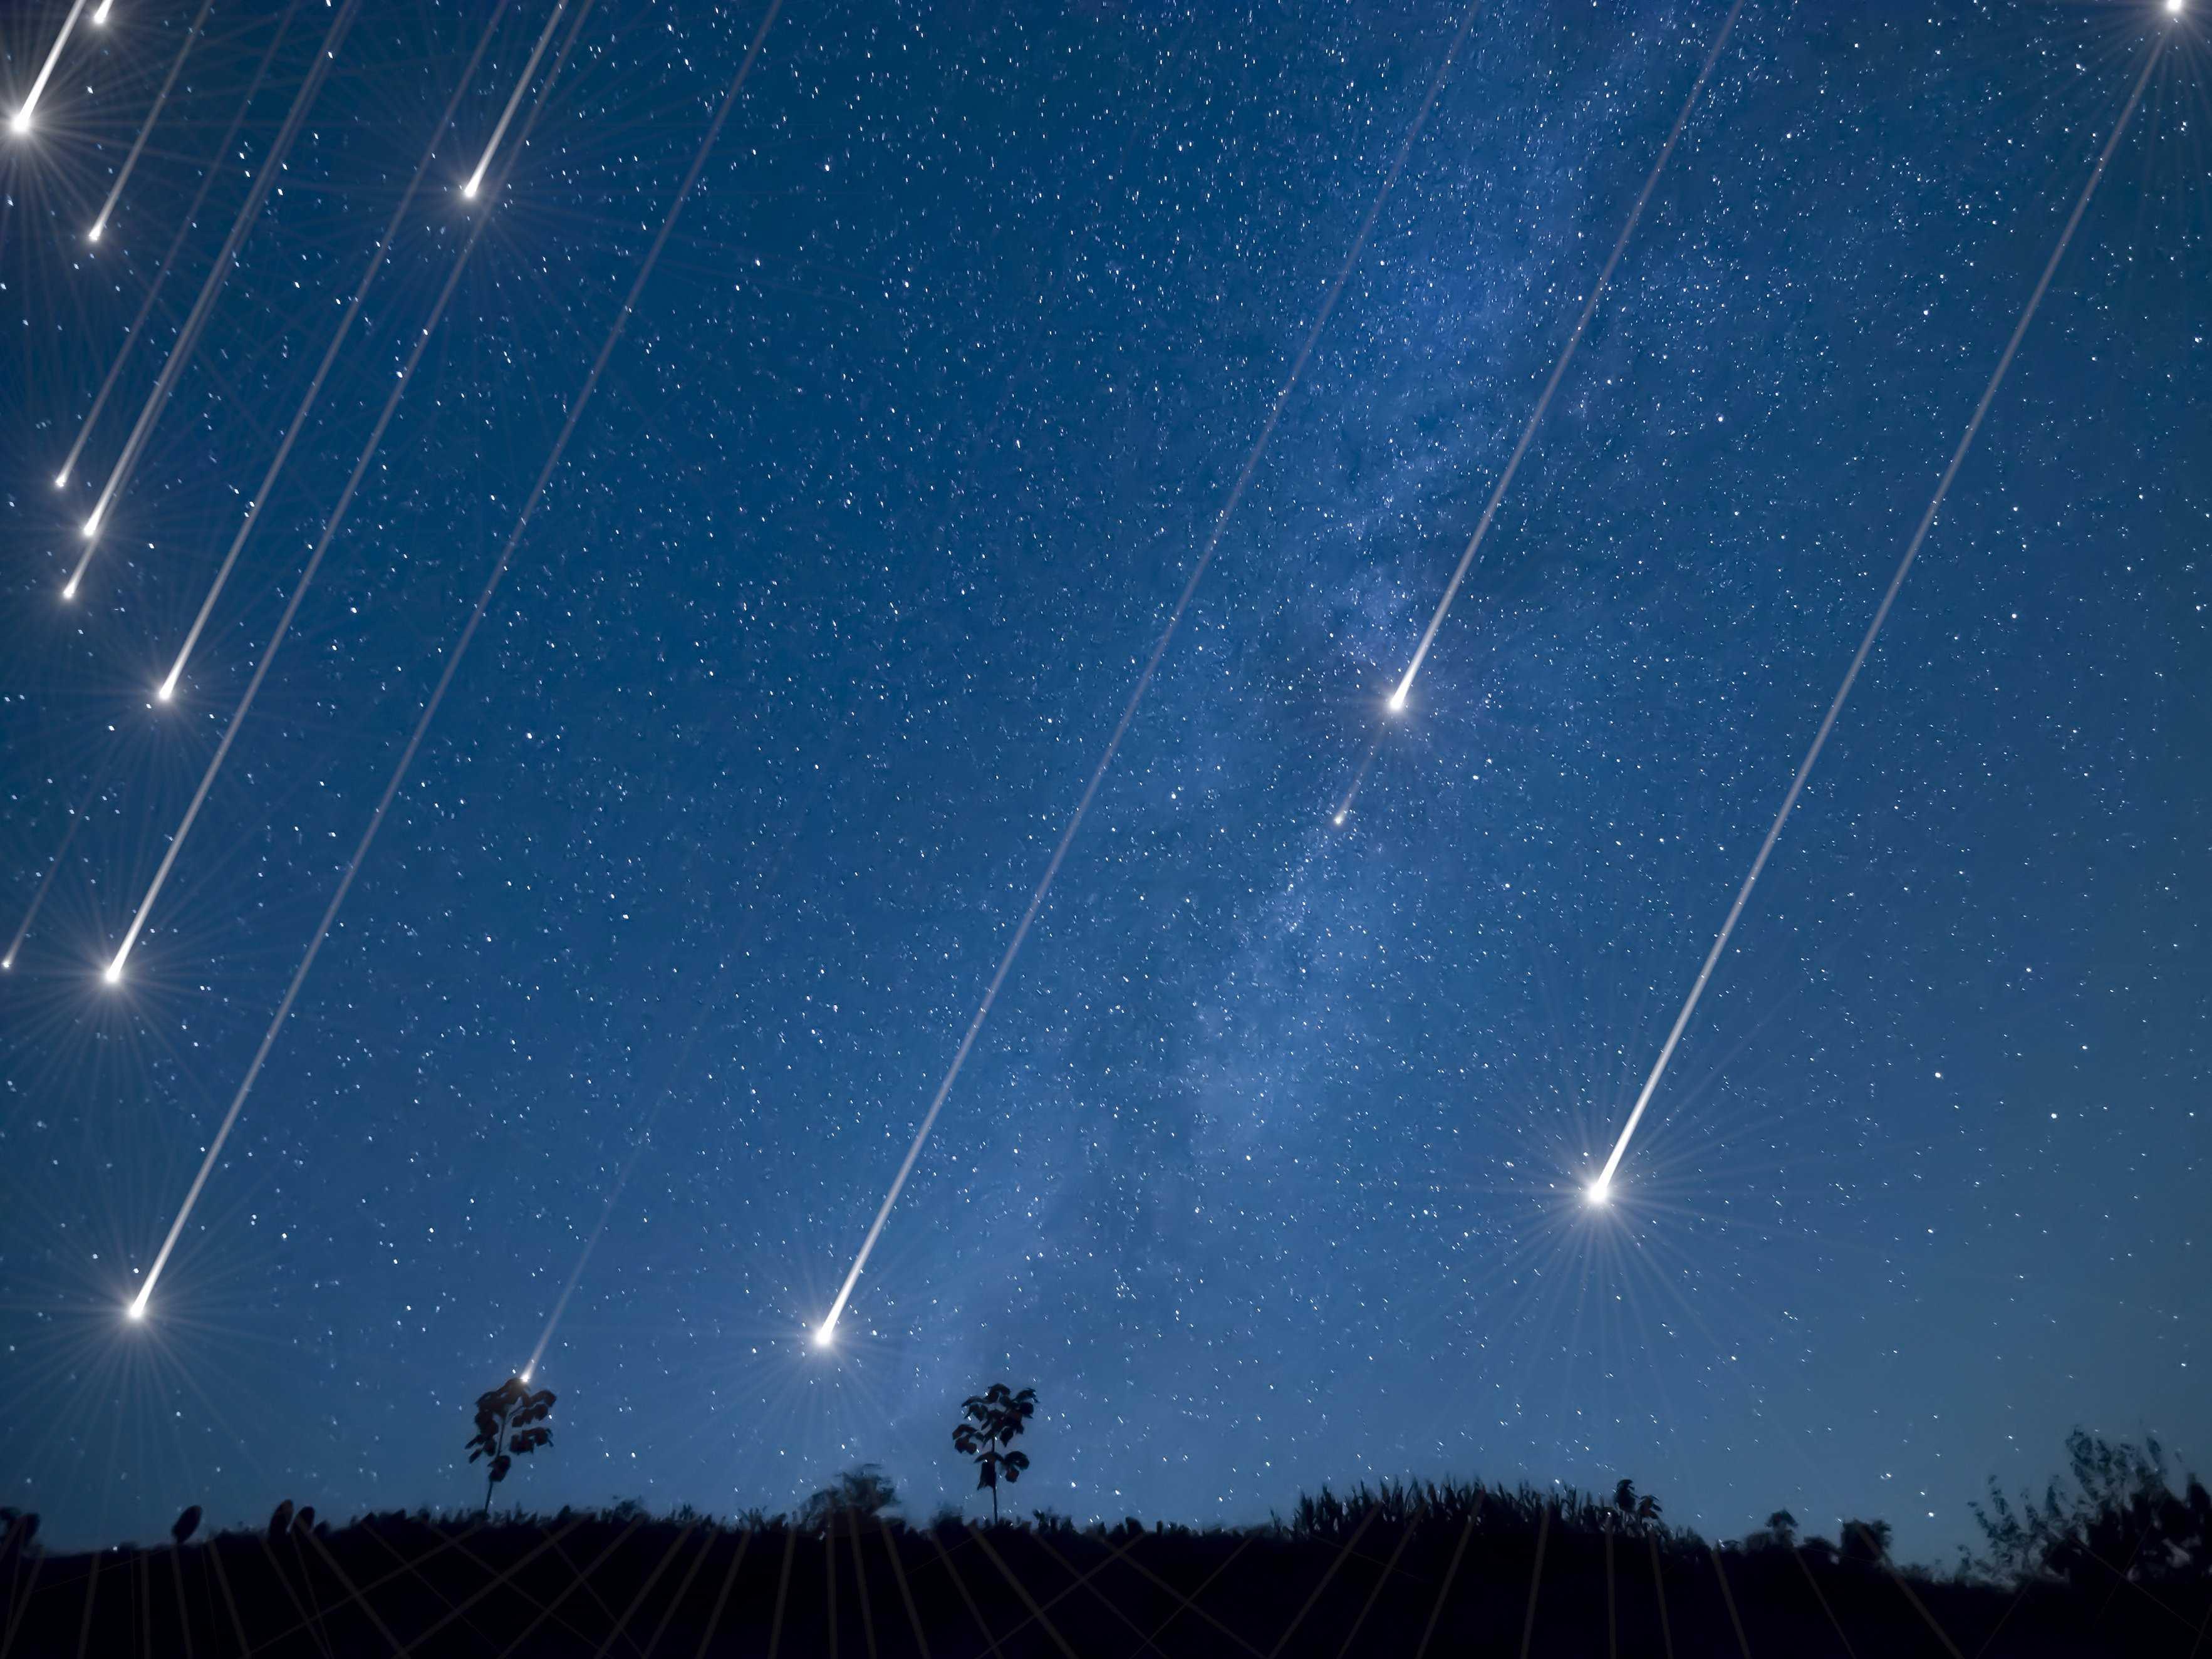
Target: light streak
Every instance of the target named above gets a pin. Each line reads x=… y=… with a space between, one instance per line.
x=176 y=243
x=491 y=587
x=20 y=122
x=476 y=179
x=827 y=1329
x=196 y=320
x=53 y=865
x=167 y=689
x=1397 y=703
x=1881 y=613
x=1366 y=764
x=1598 y=1194
x=331 y=528
x=422 y=725
x=99 y=17
x=161 y=98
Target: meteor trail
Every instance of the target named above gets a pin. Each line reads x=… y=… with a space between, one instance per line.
x=115 y=192
x=483 y=598
x=476 y=179
x=826 y=1332
x=38 y=896
x=113 y=973
x=1558 y=370
x=168 y=686
x=188 y=335
x=176 y=243
x=20 y=122
x=1603 y=1184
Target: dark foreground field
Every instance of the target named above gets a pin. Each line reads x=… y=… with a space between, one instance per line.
x=1367 y=1582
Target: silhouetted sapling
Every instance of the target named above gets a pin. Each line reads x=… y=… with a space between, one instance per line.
x=990 y=1422
x=510 y=1422
x=1642 y=1510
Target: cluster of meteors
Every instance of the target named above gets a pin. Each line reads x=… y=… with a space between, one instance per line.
x=485 y=180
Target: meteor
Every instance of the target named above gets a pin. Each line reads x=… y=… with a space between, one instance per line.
x=53 y=865
x=476 y=179
x=1559 y=368
x=167 y=689
x=129 y=161
x=1366 y=764
x=827 y=1330
x=188 y=335
x=191 y=216
x=330 y=527
x=20 y=123
x=99 y=17
x=161 y=274
x=452 y=662
x=1881 y=613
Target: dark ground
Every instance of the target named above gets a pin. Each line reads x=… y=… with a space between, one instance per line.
x=1365 y=1582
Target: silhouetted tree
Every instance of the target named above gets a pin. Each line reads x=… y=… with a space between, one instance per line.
x=991 y=1420
x=2123 y=1516
x=510 y=1423
x=1867 y=1540
x=186 y=1524
x=865 y=1491
x=1784 y=1526
x=279 y=1519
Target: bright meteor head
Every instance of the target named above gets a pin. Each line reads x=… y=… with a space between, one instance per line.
x=1598 y=1194
x=136 y=1308
x=20 y=122
x=112 y=973
x=1397 y=700
x=825 y=1334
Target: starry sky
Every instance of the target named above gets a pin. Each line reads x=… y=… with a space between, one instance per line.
x=1265 y=1170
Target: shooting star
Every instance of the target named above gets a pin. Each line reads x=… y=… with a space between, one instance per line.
x=196 y=320
x=176 y=245
x=825 y=1333
x=115 y=191
x=476 y=179
x=113 y=972
x=476 y=616
x=1600 y=1189
x=167 y=689
x=20 y=123
x=1397 y=702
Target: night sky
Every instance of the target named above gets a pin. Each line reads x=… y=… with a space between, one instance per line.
x=1265 y=1170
